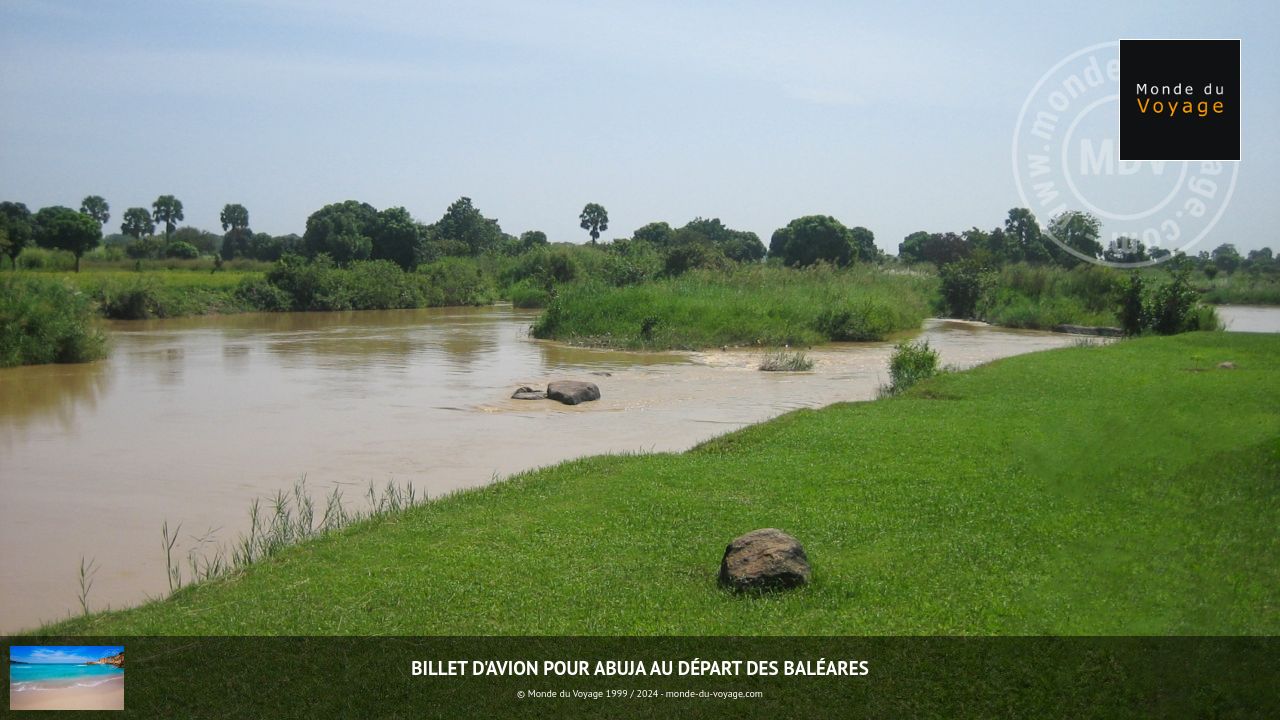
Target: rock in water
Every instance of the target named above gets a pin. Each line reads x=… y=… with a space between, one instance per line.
x=572 y=392
x=528 y=393
x=766 y=559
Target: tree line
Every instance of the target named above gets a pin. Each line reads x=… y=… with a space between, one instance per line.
x=352 y=230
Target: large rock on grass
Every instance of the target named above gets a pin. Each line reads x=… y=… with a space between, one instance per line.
x=766 y=559
x=572 y=392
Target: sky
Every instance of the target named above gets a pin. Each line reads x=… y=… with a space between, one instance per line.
x=62 y=653
x=895 y=116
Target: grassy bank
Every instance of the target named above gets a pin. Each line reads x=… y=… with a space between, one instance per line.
x=292 y=285
x=1241 y=289
x=757 y=305
x=43 y=321
x=1127 y=489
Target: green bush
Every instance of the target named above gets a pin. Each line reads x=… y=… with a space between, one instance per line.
x=1174 y=306
x=856 y=322
x=1133 y=316
x=963 y=284
x=911 y=363
x=38 y=258
x=747 y=305
x=310 y=284
x=1043 y=296
x=257 y=293
x=381 y=284
x=456 y=281
x=46 y=321
x=135 y=298
x=529 y=294
x=179 y=249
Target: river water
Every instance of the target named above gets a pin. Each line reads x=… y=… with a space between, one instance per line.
x=189 y=420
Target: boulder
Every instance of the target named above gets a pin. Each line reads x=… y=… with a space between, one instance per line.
x=528 y=393
x=572 y=392
x=766 y=559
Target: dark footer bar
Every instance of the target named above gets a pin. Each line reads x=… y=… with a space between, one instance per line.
x=685 y=677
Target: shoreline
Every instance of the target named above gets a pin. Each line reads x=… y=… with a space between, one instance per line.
x=106 y=694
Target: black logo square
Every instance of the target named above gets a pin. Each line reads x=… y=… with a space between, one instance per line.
x=1179 y=99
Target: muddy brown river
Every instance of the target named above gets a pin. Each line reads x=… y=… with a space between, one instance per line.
x=188 y=420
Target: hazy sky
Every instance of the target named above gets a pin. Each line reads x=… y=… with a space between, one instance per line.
x=898 y=117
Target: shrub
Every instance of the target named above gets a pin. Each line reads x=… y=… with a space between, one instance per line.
x=381 y=284
x=867 y=320
x=46 y=321
x=179 y=249
x=256 y=293
x=38 y=258
x=456 y=281
x=310 y=284
x=529 y=294
x=963 y=284
x=911 y=363
x=147 y=248
x=1133 y=316
x=1172 y=308
x=135 y=298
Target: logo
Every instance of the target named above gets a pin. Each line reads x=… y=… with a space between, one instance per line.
x=1066 y=158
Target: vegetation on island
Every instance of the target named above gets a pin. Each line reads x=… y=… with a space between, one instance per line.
x=701 y=284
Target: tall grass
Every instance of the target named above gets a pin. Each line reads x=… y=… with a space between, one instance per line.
x=44 y=320
x=786 y=361
x=281 y=521
x=1043 y=296
x=749 y=305
x=1243 y=289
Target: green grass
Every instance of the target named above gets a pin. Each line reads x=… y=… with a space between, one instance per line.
x=1041 y=297
x=1124 y=489
x=162 y=293
x=750 y=305
x=1242 y=289
x=45 y=320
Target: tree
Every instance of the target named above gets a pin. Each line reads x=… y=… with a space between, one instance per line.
x=1227 y=258
x=594 y=219
x=530 y=239
x=1023 y=240
x=341 y=231
x=864 y=244
x=16 y=231
x=396 y=237
x=1125 y=249
x=1261 y=255
x=738 y=245
x=464 y=223
x=97 y=208
x=235 y=223
x=1078 y=231
x=167 y=209
x=809 y=239
x=657 y=234
x=692 y=250
x=137 y=223
x=65 y=229
x=202 y=240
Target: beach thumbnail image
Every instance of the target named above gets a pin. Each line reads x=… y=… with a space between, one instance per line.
x=66 y=677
